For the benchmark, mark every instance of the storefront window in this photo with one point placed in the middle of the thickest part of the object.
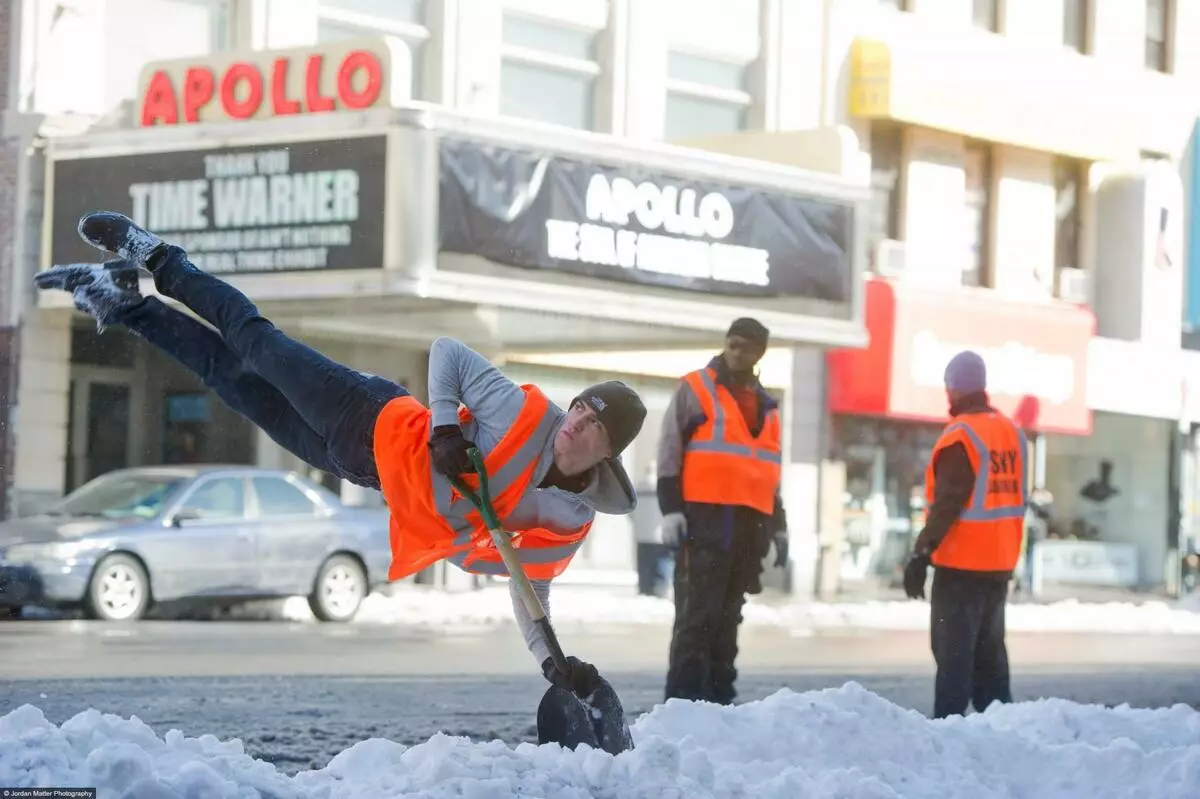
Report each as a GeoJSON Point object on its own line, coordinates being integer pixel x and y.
{"type": "Point", "coordinates": [548, 72]}
{"type": "Point", "coordinates": [884, 500]}
{"type": "Point", "coordinates": [404, 19]}
{"type": "Point", "coordinates": [705, 96]}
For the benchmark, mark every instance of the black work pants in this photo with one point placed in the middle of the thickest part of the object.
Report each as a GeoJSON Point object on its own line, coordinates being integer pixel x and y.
{"type": "Point", "coordinates": [319, 410]}
{"type": "Point", "coordinates": [710, 591]}
{"type": "Point", "coordinates": [967, 637]}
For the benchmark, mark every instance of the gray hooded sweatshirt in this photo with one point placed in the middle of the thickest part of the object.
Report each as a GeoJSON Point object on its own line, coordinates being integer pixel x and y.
{"type": "Point", "coordinates": [458, 374]}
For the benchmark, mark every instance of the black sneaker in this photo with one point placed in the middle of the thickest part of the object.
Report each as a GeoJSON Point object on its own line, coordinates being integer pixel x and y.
{"type": "Point", "coordinates": [119, 235]}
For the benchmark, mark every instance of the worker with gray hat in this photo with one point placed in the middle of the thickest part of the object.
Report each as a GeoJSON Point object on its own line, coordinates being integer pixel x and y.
{"type": "Point", "coordinates": [976, 488]}
{"type": "Point", "coordinates": [719, 464]}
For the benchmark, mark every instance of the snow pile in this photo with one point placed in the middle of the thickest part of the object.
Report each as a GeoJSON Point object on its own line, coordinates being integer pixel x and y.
{"type": "Point", "coordinates": [844, 742]}
{"type": "Point", "coordinates": [446, 610]}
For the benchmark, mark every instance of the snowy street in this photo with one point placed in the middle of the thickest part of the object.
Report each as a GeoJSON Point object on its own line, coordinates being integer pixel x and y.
{"type": "Point", "coordinates": [298, 694]}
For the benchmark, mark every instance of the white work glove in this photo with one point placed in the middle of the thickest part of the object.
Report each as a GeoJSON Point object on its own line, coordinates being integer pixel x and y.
{"type": "Point", "coordinates": [674, 529]}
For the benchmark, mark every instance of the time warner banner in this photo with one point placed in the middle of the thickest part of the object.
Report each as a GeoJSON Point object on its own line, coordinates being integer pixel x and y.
{"type": "Point", "coordinates": [544, 211]}
{"type": "Point", "coordinates": [263, 208]}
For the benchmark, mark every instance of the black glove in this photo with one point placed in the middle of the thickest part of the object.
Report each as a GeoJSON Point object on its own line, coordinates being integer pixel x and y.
{"type": "Point", "coordinates": [448, 449]}
{"type": "Point", "coordinates": [582, 678]}
{"type": "Point", "coordinates": [915, 572]}
{"type": "Point", "coordinates": [781, 549]}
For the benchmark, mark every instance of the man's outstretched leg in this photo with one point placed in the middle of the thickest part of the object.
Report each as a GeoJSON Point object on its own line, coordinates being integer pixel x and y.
{"type": "Point", "coordinates": [109, 293]}
{"type": "Point", "coordinates": [339, 403]}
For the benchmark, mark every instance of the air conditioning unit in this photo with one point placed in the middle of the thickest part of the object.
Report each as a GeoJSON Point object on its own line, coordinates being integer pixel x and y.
{"type": "Point", "coordinates": [1072, 285]}
{"type": "Point", "coordinates": [889, 258]}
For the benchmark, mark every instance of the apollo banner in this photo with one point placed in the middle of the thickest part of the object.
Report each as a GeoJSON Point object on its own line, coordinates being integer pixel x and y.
{"type": "Point", "coordinates": [620, 222]}
{"type": "Point", "coordinates": [291, 206]}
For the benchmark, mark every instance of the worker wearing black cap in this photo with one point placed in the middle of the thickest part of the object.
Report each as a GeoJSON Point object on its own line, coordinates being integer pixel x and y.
{"type": "Point", "coordinates": [719, 460]}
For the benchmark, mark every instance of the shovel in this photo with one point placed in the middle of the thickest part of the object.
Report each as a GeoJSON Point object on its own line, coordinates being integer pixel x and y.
{"type": "Point", "coordinates": [563, 717]}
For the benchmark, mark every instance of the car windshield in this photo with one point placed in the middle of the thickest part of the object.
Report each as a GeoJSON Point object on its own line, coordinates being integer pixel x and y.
{"type": "Point", "coordinates": [120, 496]}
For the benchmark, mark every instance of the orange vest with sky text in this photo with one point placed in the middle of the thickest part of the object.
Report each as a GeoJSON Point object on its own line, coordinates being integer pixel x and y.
{"type": "Point", "coordinates": [987, 536]}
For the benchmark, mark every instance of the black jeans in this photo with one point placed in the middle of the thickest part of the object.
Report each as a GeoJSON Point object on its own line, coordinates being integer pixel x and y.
{"type": "Point", "coordinates": [319, 410]}
{"type": "Point", "coordinates": [967, 637]}
{"type": "Point", "coordinates": [710, 592]}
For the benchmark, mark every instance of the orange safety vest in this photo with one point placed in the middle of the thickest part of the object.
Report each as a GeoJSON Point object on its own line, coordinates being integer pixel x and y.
{"type": "Point", "coordinates": [987, 536]}
{"type": "Point", "coordinates": [431, 521]}
{"type": "Point", "coordinates": [722, 463]}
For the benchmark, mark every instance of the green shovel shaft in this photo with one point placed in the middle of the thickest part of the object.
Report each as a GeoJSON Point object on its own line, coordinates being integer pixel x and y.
{"type": "Point", "coordinates": [503, 542]}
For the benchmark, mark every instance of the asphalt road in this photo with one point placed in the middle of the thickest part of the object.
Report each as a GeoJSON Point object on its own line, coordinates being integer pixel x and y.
{"type": "Point", "coordinates": [297, 694]}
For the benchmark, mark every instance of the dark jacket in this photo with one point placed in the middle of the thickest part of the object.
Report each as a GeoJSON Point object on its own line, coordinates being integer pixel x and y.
{"type": "Point", "coordinates": [708, 524]}
{"type": "Point", "coordinates": [954, 480]}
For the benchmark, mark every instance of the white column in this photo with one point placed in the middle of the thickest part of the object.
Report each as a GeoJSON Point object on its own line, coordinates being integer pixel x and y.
{"type": "Point", "coordinates": [476, 33]}
{"type": "Point", "coordinates": [42, 407]}
{"type": "Point", "coordinates": [803, 437]}
{"type": "Point", "coordinates": [643, 83]}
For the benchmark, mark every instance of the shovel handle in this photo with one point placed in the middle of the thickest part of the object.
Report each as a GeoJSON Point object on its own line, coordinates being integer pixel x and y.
{"type": "Point", "coordinates": [483, 501]}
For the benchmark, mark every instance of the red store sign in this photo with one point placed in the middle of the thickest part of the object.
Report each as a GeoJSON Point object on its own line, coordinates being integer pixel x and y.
{"type": "Point", "coordinates": [351, 75]}
{"type": "Point", "coordinates": [1036, 356]}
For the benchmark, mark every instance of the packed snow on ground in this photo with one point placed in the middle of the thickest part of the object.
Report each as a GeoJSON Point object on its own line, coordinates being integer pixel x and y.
{"type": "Point", "coordinates": [450, 610]}
{"type": "Point", "coordinates": [843, 742]}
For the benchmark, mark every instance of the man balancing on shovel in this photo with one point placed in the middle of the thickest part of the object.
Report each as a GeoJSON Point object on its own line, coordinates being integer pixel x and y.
{"type": "Point", "coordinates": [548, 471]}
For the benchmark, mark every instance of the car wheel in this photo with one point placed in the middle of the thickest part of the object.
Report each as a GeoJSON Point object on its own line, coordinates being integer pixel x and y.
{"type": "Point", "coordinates": [339, 590]}
{"type": "Point", "coordinates": [9, 612]}
{"type": "Point", "coordinates": [119, 590]}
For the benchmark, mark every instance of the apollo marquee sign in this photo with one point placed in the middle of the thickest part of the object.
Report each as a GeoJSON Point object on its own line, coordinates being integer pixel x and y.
{"type": "Point", "coordinates": [540, 210]}
{"type": "Point", "coordinates": [350, 75]}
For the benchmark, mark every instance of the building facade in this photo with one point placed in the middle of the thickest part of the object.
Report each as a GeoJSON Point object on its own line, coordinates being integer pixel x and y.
{"type": "Point", "coordinates": [325, 158]}
{"type": "Point", "coordinates": [1010, 174]}
{"type": "Point", "coordinates": [1027, 165]}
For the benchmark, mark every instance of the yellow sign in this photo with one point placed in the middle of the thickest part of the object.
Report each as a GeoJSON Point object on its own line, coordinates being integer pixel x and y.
{"type": "Point", "coordinates": [870, 79]}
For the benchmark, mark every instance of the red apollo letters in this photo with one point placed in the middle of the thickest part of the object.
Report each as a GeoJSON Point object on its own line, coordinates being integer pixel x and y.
{"type": "Point", "coordinates": [241, 89]}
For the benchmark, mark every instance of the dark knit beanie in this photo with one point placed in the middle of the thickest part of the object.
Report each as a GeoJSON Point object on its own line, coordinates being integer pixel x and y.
{"type": "Point", "coordinates": [751, 330]}
{"type": "Point", "coordinates": [619, 409]}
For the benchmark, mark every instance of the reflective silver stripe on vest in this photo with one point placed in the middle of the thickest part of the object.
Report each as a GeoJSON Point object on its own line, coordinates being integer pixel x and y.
{"type": "Point", "coordinates": [455, 513]}
{"type": "Point", "coordinates": [976, 511]}
{"type": "Point", "coordinates": [718, 443]}
{"type": "Point", "coordinates": [531, 555]}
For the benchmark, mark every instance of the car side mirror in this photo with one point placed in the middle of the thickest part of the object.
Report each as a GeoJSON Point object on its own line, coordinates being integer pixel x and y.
{"type": "Point", "coordinates": [184, 516]}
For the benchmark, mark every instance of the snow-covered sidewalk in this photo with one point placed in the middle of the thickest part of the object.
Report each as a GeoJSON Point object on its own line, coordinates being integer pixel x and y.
{"type": "Point", "coordinates": [434, 608]}
{"type": "Point", "coordinates": [843, 742]}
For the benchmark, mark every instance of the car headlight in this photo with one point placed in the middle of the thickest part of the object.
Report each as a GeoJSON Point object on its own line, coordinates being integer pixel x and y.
{"type": "Point", "coordinates": [56, 550]}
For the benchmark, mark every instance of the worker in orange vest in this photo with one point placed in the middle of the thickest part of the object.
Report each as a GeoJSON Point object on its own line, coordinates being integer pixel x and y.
{"type": "Point", "coordinates": [719, 462]}
{"type": "Point", "coordinates": [976, 490]}
{"type": "Point", "coordinates": [550, 470]}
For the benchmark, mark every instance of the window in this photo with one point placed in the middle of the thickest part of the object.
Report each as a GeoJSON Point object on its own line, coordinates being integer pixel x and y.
{"type": "Point", "coordinates": [404, 19]}
{"type": "Point", "coordinates": [1075, 24]}
{"type": "Point", "coordinates": [218, 499]}
{"type": "Point", "coordinates": [548, 72]}
{"type": "Point", "coordinates": [1068, 192]}
{"type": "Point", "coordinates": [705, 96]}
{"type": "Point", "coordinates": [985, 14]}
{"type": "Point", "coordinates": [278, 497]}
{"type": "Point", "coordinates": [886, 158]}
{"type": "Point", "coordinates": [136, 32]}
{"type": "Point", "coordinates": [977, 203]}
{"type": "Point", "coordinates": [1158, 26]}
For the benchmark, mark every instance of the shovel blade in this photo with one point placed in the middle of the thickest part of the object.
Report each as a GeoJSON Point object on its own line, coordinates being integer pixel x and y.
{"type": "Point", "coordinates": [565, 719]}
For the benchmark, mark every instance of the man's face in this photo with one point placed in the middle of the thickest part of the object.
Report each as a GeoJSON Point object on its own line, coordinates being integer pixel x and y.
{"type": "Point", "coordinates": [582, 442]}
{"type": "Point", "coordinates": [741, 354]}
